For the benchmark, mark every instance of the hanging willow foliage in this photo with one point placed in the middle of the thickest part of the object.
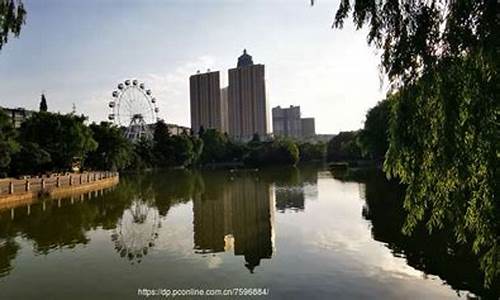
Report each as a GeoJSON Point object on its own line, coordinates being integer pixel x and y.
{"type": "Point", "coordinates": [441, 58]}
{"type": "Point", "coordinates": [12, 17]}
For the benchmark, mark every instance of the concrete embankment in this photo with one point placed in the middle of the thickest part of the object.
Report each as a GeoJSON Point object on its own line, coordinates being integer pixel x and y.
{"type": "Point", "coordinates": [14, 191]}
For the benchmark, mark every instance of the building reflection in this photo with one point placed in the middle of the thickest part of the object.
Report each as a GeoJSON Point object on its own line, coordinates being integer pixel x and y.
{"type": "Point", "coordinates": [235, 215]}
{"type": "Point", "coordinates": [290, 198]}
{"type": "Point", "coordinates": [293, 186]}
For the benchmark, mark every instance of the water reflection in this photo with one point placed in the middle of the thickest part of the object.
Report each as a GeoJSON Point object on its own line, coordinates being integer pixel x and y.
{"type": "Point", "coordinates": [292, 186]}
{"type": "Point", "coordinates": [235, 214]}
{"type": "Point", "coordinates": [436, 254]}
{"type": "Point", "coordinates": [136, 231]}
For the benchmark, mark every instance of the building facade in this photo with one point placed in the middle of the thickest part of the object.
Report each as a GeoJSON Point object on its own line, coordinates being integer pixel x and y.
{"type": "Point", "coordinates": [247, 103]}
{"type": "Point", "coordinates": [207, 109]}
{"type": "Point", "coordinates": [308, 127]}
{"type": "Point", "coordinates": [287, 122]}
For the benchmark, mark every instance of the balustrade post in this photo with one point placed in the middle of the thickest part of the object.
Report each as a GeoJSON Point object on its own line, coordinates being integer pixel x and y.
{"type": "Point", "coordinates": [80, 179]}
{"type": "Point", "coordinates": [27, 185]}
{"type": "Point", "coordinates": [42, 183]}
{"type": "Point", "coordinates": [11, 187]}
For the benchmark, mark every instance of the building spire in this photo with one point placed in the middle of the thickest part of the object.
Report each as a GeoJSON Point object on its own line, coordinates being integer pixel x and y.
{"type": "Point", "coordinates": [245, 59]}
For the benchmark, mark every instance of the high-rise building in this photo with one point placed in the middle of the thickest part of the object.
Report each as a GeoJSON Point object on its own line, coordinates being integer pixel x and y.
{"type": "Point", "coordinates": [247, 103]}
{"type": "Point", "coordinates": [223, 101]}
{"type": "Point", "coordinates": [207, 109]}
{"type": "Point", "coordinates": [308, 127]}
{"type": "Point", "coordinates": [287, 122]}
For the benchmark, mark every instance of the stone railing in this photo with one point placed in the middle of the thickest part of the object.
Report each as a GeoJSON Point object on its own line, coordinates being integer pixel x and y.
{"type": "Point", "coordinates": [47, 183]}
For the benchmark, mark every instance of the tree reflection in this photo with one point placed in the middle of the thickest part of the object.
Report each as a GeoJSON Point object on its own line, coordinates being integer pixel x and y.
{"type": "Point", "coordinates": [8, 251]}
{"type": "Point", "coordinates": [291, 185]}
{"type": "Point", "coordinates": [436, 253]}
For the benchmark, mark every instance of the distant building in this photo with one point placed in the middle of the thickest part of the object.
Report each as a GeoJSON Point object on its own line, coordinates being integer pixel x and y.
{"type": "Point", "coordinates": [308, 127]}
{"type": "Point", "coordinates": [287, 122]}
{"type": "Point", "coordinates": [174, 129]}
{"type": "Point", "coordinates": [247, 103]}
{"type": "Point", "coordinates": [17, 115]}
{"type": "Point", "coordinates": [207, 109]}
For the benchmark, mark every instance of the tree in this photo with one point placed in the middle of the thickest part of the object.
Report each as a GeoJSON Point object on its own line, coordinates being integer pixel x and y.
{"type": "Point", "coordinates": [30, 160]}
{"type": "Point", "coordinates": [416, 35]}
{"type": "Point", "coordinates": [256, 138]}
{"type": "Point", "coordinates": [184, 152]}
{"type": "Point", "coordinates": [277, 152]}
{"type": "Point", "coordinates": [162, 147]}
{"type": "Point", "coordinates": [12, 17]}
{"type": "Point", "coordinates": [214, 146]}
{"type": "Point", "coordinates": [43, 104]}
{"type": "Point", "coordinates": [143, 156]}
{"type": "Point", "coordinates": [312, 152]}
{"type": "Point", "coordinates": [64, 137]}
{"type": "Point", "coordinates": [344, 147]}
{"type": "Point", "coordinates": [374, 137]}
{"type": "Point", "coordinates": [8, 143]}
{"type": "Point", "coordinates": [441, 58]}
{"type": "Point", "coordinates": [114, 151]}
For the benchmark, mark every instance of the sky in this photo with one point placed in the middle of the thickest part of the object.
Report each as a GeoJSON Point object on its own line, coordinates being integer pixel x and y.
{"type": "Point", "coordinates": [76, 52]}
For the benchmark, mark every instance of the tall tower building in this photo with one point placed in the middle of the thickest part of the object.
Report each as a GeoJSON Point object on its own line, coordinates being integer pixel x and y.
{"type": "Point", "coordinates": [247, 103]}
{"type": "Point", "coordinates": [207, 109]}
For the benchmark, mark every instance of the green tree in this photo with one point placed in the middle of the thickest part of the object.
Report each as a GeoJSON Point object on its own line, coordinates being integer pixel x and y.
{"type": "Point", "coordinates": [214, 146]}
{"type": "Point", "coordinates": [43, 103]}
{"type": "Point", "coordinates": [114, 151]}
{"type": "Point", "coordinates": [374, 137]}
{"type": "Point", "coordinates": [163, 150]}
{"type": "Point", "coordinates": [143, 156]}
{"type": "Point", "coordinates": [344, 147]}
{"type": "Point", "coordinates": [441, 58]}
{"type": "Point", "coordinates": [8, 143]}
{"type": "Point", "coordinates": [312, 152]}
{"type": "Point", "coordinates": [30, 160]}
{"type": "Point", "coordinates": [184, 152]}
{"type": "Point", "coordinates": [12, 17]}
{"type": "Point", "coordinates": [277, 152]}
{"type": "Point", "coordinates": [65, 138]}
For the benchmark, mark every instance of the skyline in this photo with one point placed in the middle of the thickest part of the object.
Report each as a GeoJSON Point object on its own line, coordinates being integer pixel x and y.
{"type": "Point", "coordinates": [77, 53]}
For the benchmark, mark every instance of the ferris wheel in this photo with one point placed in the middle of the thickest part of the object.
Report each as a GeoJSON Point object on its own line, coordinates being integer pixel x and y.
{"type": "Point", "coordinates": [134, 108]}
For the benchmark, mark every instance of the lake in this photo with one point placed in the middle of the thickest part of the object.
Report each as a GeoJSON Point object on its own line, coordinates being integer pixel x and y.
{"type": "Point", "coordinates": [289, 233]}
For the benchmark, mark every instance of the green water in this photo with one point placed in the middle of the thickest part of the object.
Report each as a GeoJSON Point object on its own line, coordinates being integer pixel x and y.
{"type": "Point", "coordinates": [294, 233]}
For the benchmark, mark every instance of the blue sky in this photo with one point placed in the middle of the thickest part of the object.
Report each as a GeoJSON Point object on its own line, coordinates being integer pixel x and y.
{"type": "Point", "coordinates": [78, 51]}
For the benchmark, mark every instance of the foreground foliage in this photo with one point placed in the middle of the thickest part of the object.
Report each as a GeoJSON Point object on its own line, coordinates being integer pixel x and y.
{"type": "Point", "coordinates": [441, 59]}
